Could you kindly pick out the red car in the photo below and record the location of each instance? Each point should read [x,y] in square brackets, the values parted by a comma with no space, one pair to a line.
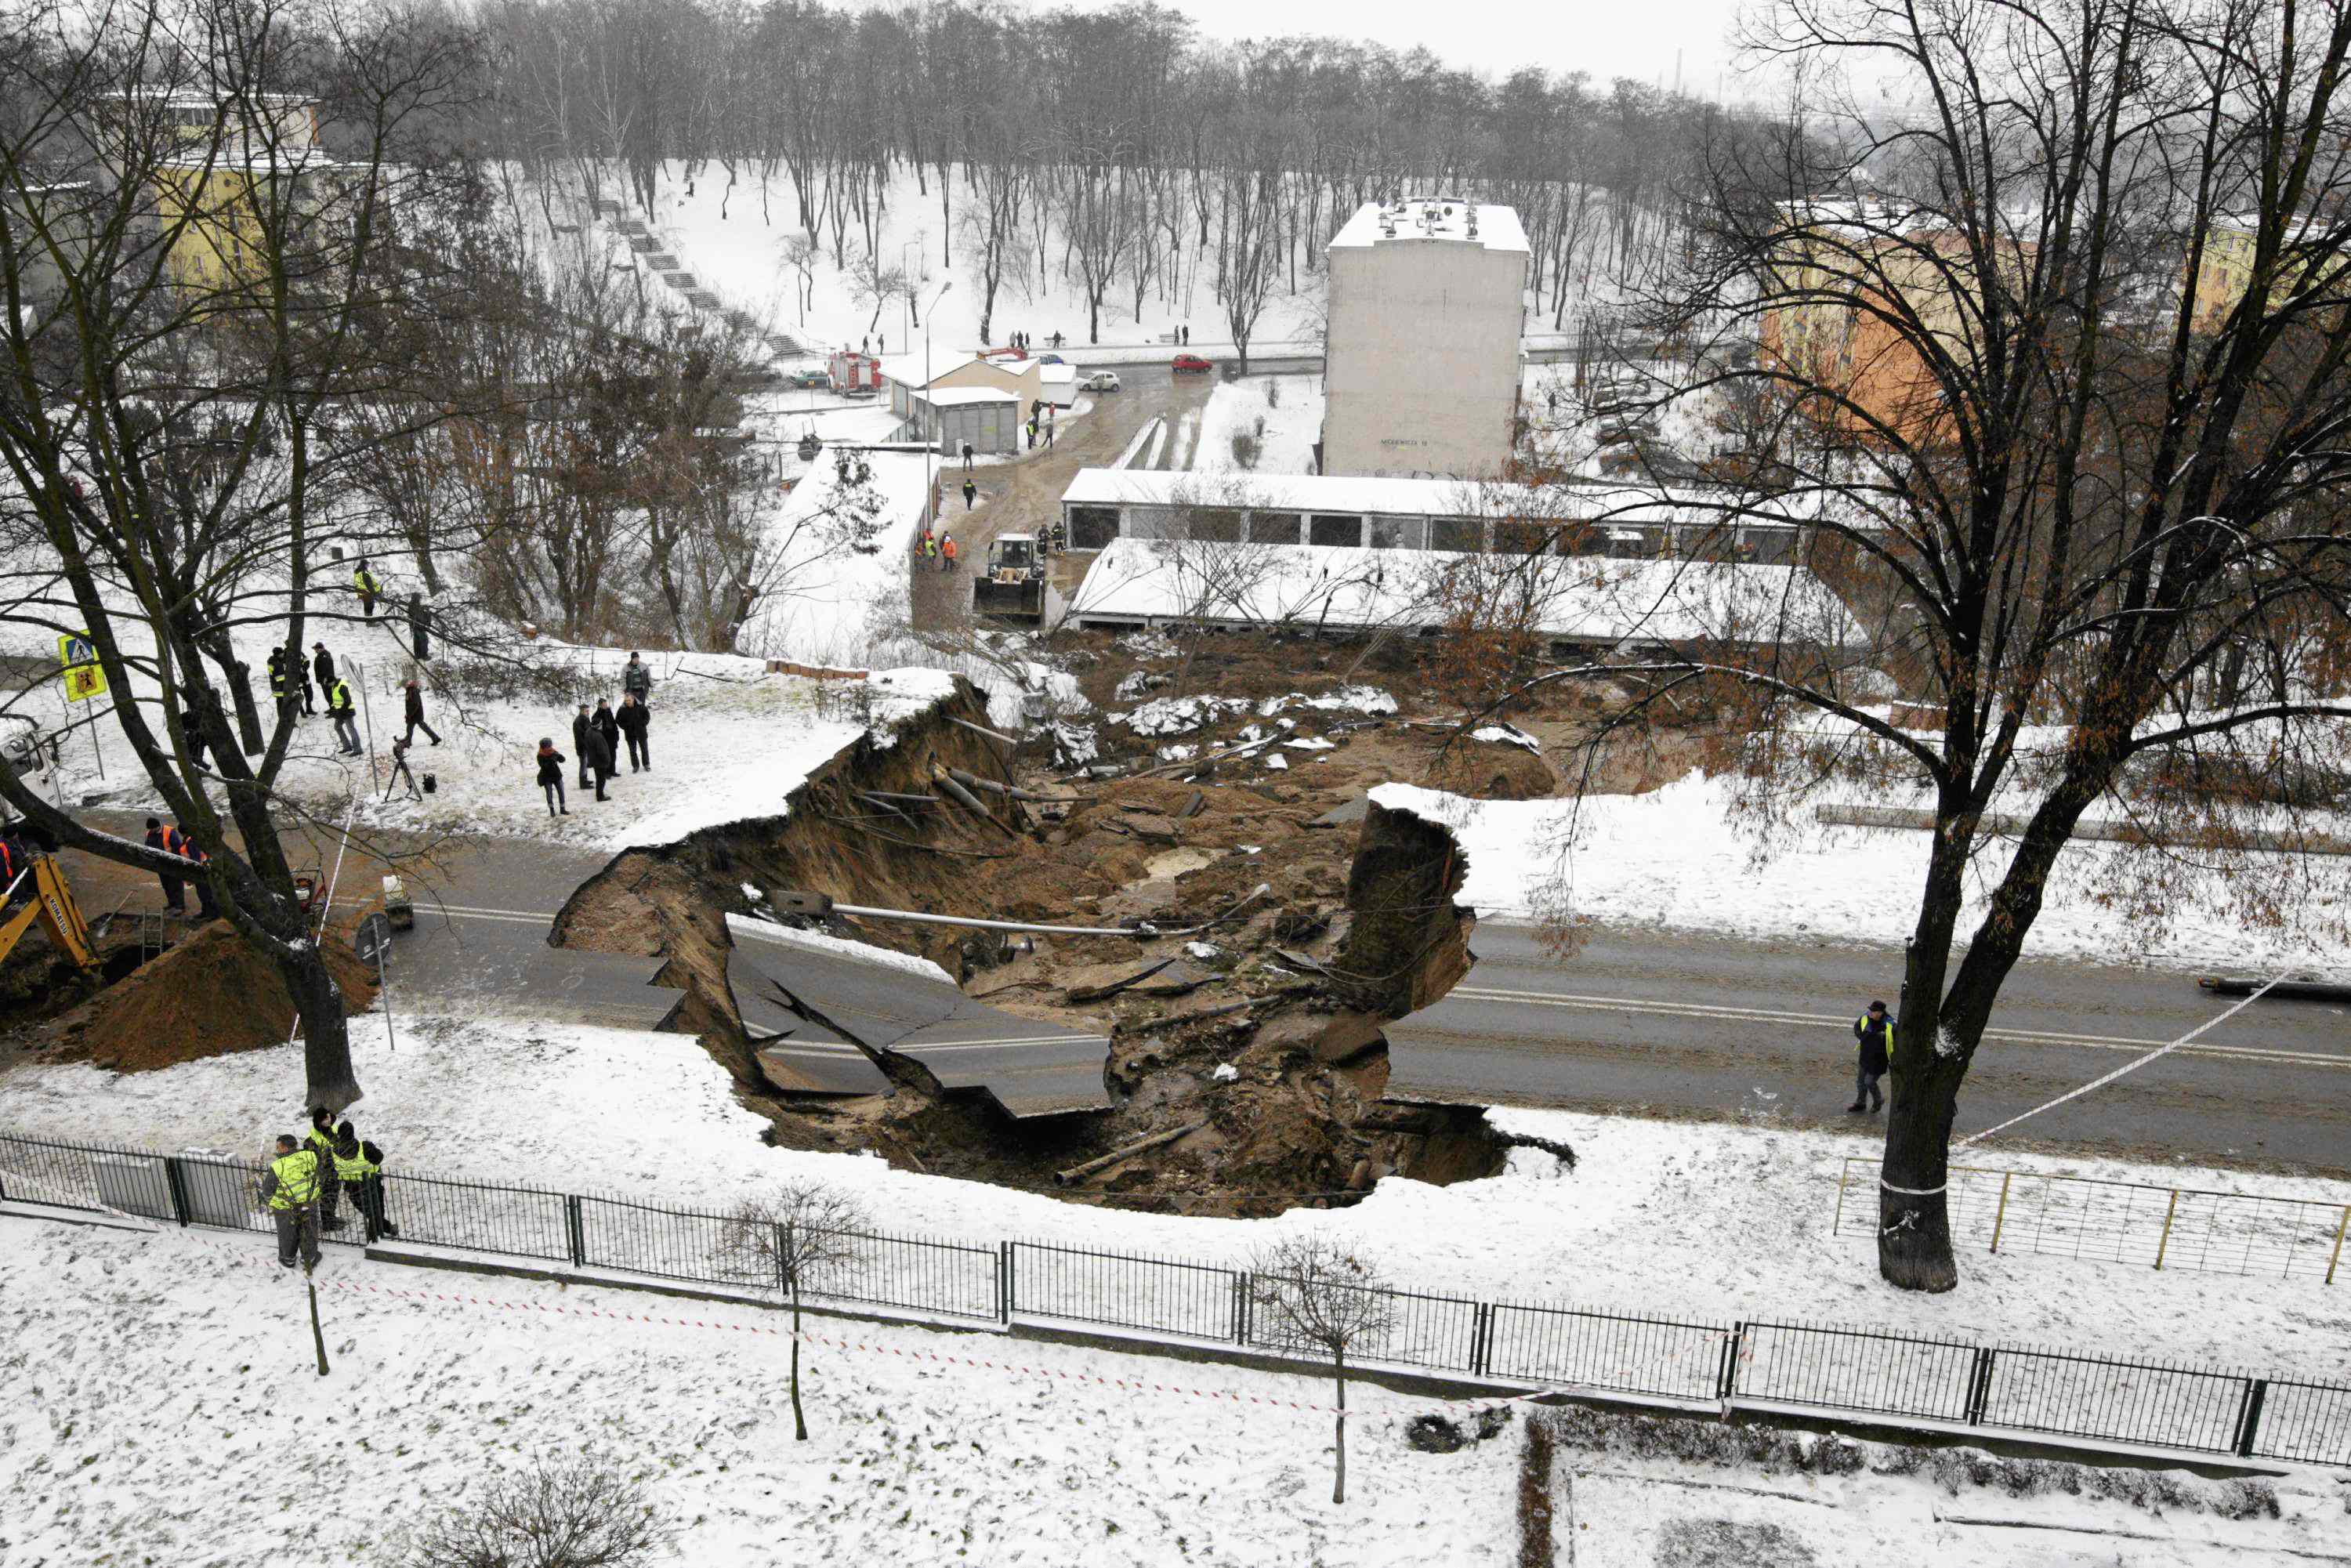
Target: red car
[1192,365]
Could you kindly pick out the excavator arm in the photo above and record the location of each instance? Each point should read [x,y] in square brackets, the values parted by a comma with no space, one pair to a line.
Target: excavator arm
[52,903]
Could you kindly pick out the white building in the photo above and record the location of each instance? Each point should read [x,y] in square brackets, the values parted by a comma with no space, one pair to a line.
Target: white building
[1422,368]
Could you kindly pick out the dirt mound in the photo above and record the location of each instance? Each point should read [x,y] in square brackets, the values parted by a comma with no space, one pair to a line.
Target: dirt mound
[1490,771]
[210,995]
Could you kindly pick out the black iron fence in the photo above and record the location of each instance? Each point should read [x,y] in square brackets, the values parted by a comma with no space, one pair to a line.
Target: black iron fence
[1894,1378]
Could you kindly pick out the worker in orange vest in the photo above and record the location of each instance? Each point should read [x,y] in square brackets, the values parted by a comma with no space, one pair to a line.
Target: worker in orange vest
[947,552]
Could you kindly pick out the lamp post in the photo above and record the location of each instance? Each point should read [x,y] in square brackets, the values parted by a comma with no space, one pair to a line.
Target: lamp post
[931,409]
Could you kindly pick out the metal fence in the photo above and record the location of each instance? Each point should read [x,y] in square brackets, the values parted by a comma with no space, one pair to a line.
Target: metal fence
[1887,1377]
[2121,1222]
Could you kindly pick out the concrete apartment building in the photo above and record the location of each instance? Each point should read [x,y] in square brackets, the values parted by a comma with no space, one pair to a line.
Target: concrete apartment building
[1422,369]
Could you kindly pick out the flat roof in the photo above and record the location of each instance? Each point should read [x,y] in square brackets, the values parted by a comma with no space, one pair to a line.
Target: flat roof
[956,397]
[1427,219]
[1221,489]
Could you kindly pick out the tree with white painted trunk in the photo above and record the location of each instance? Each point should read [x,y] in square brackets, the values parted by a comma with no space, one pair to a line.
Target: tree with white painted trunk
[1309,1293]
[791,1242]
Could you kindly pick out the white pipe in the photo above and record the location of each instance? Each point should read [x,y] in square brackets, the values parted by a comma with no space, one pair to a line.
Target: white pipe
[1145,929]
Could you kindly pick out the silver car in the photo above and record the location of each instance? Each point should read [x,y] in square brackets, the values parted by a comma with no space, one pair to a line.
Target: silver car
[1100,382]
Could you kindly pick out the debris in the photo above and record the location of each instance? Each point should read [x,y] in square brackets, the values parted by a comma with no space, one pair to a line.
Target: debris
[1506,734]
[1156,1140]
[1225,1072]
[1299,961]
[1344,816]
[1312,743]
[1202,949]
[1101,980]
[982,729]
[969,801]
[1277,763]
[1192,806]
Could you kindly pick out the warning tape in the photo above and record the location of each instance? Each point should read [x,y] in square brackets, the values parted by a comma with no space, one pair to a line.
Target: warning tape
[1051,1374]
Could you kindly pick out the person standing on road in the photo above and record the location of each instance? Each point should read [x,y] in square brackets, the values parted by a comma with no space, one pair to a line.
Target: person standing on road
[1875,1030]
[970,491]
[412,704]
[358,1166]
[580,730]
[176,891]
[344,713]
[634,719]
[289,1188]
[966,457]
[550,776]
[637,680]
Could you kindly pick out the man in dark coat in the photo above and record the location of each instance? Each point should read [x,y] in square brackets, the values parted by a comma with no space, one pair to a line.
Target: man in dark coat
[175,889]
[610,729]
[322,665]
[634,719]
[1875,1030]
[599,754]
[413,702]
[580,730]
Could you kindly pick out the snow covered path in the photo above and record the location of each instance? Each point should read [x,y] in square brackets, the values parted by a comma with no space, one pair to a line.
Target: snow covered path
[162,1406]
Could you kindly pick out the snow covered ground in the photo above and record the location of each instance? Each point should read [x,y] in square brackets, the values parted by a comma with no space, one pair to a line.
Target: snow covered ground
[1290,408]
[1638,1226]
[162,1406]
[1678,858]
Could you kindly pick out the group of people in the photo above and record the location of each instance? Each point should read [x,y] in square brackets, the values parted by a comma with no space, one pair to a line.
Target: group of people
[941,547]
[596,739]
[296,686]
[171,839]
[303,1186]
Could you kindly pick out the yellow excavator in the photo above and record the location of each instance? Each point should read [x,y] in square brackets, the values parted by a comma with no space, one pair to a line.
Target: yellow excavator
[51,903]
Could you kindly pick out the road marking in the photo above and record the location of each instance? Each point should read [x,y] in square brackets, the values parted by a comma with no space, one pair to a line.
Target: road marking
[1708,1012]
[461,910]
[1092,1041]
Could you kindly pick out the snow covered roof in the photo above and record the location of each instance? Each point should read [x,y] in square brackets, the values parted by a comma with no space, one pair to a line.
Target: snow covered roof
[1584,599]
[906,370]
[1448,218]
[959,397]
[1062,372]
[1370,496]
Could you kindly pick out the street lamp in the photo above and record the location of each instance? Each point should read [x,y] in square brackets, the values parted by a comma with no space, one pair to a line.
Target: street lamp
[930,485]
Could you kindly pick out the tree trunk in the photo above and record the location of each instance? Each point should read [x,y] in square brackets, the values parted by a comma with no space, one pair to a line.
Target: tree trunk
[800,1417]
[1338,1481]
[1914,1225]
[327,1067]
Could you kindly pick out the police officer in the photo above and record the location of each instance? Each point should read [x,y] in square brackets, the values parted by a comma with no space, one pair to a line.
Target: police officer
[322,1143]
[1875,1030]
[359,1168]
[289,1187]
[280,681]
[345,716]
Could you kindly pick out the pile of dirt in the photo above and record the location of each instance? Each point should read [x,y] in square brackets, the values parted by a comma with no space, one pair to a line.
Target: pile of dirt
[1485,770]
[209,994]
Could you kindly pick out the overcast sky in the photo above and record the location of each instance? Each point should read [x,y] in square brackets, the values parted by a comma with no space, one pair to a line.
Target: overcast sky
[1606,38]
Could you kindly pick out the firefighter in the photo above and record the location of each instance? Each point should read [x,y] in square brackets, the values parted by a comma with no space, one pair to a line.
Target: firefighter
[290,1189]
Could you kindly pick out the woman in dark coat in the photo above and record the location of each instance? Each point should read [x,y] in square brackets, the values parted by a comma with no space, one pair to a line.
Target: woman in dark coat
[550,776]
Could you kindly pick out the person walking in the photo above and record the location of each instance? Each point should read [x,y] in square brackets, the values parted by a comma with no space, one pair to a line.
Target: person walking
[322,666]
[1875,1030]
[368,586]
[550,776]
[970,491]
[966,457]
[1032,432]
[637,680]
[344,713]
[608,730]
[175,889]
[289,1189]
[948,553]
[322,1143]
[580,730]
[207,908]
[358,1168]
[634,719]
[412,709]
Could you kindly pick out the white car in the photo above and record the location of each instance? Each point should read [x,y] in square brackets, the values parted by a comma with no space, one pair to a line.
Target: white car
[1101,381]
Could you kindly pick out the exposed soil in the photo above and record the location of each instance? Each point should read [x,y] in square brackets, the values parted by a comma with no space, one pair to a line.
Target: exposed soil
[209,995]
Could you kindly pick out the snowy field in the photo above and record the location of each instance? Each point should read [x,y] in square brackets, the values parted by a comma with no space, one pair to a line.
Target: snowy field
[1676,858]
[1283,413]
[1637,1227]
[164,1407]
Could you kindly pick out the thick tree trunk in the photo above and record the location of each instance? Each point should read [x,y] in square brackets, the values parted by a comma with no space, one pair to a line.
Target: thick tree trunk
[329,1079]
[1914,1226]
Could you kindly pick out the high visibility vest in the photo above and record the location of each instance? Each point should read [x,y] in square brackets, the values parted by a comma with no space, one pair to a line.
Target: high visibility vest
[298,1179]
[340,699]
[364,581]
[359,1168]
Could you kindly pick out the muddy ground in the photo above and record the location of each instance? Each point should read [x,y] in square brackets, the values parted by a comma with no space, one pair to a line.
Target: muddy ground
[1262,1032]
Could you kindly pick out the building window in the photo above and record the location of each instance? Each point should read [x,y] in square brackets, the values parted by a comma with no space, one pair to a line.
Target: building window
[1273,528]
[1519,536]
[1331,528]
[1213,526]
[1399,533]
[1091,527]
[1466,535]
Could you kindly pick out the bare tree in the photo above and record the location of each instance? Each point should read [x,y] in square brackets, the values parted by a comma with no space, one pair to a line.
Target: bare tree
[588,1512]
[793,1241]
[2089,467]
[1307,1292]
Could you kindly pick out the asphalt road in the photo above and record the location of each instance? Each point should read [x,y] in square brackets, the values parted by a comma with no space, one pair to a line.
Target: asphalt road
[1668,1022]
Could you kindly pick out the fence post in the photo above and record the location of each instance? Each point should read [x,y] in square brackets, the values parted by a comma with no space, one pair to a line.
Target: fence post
[2164,1245]
[1845,1172]
[1003,1278]
[575,1227]
[2249,1417]
[175,1184]
[1240,1309]
[2001,1219]
[1482,1328]
[2340,1226]
[1727,1378]
[1979,1385]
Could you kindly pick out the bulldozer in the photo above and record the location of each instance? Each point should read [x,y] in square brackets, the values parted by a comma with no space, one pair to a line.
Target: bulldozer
[51,903]
[1013,586]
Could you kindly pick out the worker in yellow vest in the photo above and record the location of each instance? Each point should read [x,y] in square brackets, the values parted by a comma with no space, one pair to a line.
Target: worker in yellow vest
[367,586]
[289,1188]
[358,1168]
[322,1143]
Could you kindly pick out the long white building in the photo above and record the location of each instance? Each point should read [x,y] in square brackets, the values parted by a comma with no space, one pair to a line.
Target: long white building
[1422,369]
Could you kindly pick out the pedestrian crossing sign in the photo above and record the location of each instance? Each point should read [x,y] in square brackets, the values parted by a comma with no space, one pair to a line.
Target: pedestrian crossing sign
[78,658]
